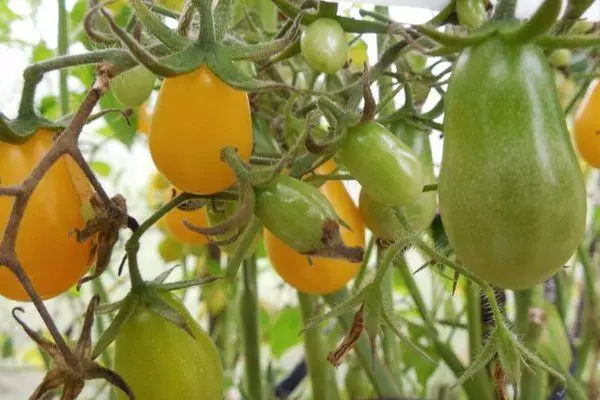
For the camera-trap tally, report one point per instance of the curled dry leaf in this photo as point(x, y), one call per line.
point(103, 229)
point(349, 341)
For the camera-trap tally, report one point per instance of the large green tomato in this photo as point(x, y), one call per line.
point(512, 197)
point(324, 46)
point(134, 86)
point(385, 166)
point(161, 361)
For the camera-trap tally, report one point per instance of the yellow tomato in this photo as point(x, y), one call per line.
point(46, 245)
point(587, 126)
point(172, 223)
point(325, 275)
point(196, 115)
point(144, 119)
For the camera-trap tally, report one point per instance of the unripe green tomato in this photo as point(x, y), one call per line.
point(385, 166)
point(323, 45)
point(380, 218)
point(358, 55)
point(295, 212)
point(471, 13)
point(217, 212)
point(161, 361)
point(420, 91)
point(420, 213)
point(133, 87)
point(170, 250)
point(214, 294)
point(581, 27)
point(560, 58)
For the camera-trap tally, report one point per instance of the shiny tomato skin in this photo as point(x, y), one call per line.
point(587, 126)
point(512, 198)
point(160, 361)
point(419, 214)
point(196, 115)
point(134, 86)
point(46, 245)
point(325, 275)
point(385, 166)
point(324, 46)
point(295, 211)
point(173, 224)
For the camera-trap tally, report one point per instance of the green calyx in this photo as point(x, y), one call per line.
point(21, 129)
point(210, 47)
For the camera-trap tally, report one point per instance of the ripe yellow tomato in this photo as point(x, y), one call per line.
point(587, 126)
point(173, 225)
point(196, 115)
point(144, 119)
point(46, 247)
point(325, 275)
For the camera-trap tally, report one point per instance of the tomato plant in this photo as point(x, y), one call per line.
point(133, 87)
point(205, 115)
point(320, 275)
point(160, 360)
point(217, 212)
point(46, 246)
point(324, 45)
point(515, 204)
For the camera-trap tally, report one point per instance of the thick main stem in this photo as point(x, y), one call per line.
point(251, 334)
point(321, 374)
point(534, 378)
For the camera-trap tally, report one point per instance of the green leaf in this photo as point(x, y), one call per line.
point(48, 107)
point(284, 331)
point(101, 168)
point(41, 52)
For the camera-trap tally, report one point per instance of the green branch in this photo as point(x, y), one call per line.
point(250, 331)
point(63, 47)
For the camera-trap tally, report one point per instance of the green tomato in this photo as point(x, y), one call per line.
point(471, 13)
point(294, 211)
point(560, 58)
point(385, 167)
point(161, 361)
point(419, 214)
point(134, 86)
point(217, 212)
point(357, 55)
point(511, 193)
point(323, 45)
point(170, 250)
point(381, 219)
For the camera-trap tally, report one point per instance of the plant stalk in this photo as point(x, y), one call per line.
point(251, 334)
point(321, 374)
point(63, 47)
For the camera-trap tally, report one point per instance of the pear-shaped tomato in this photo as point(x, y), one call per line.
point(512, 197)
point(161, 361)
point(134, 86)
point(296, 212)
point(385, 167)
point(324, 275)
point(587, 126)
point(46, 245)
point(324, 46)
point(197, 115)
